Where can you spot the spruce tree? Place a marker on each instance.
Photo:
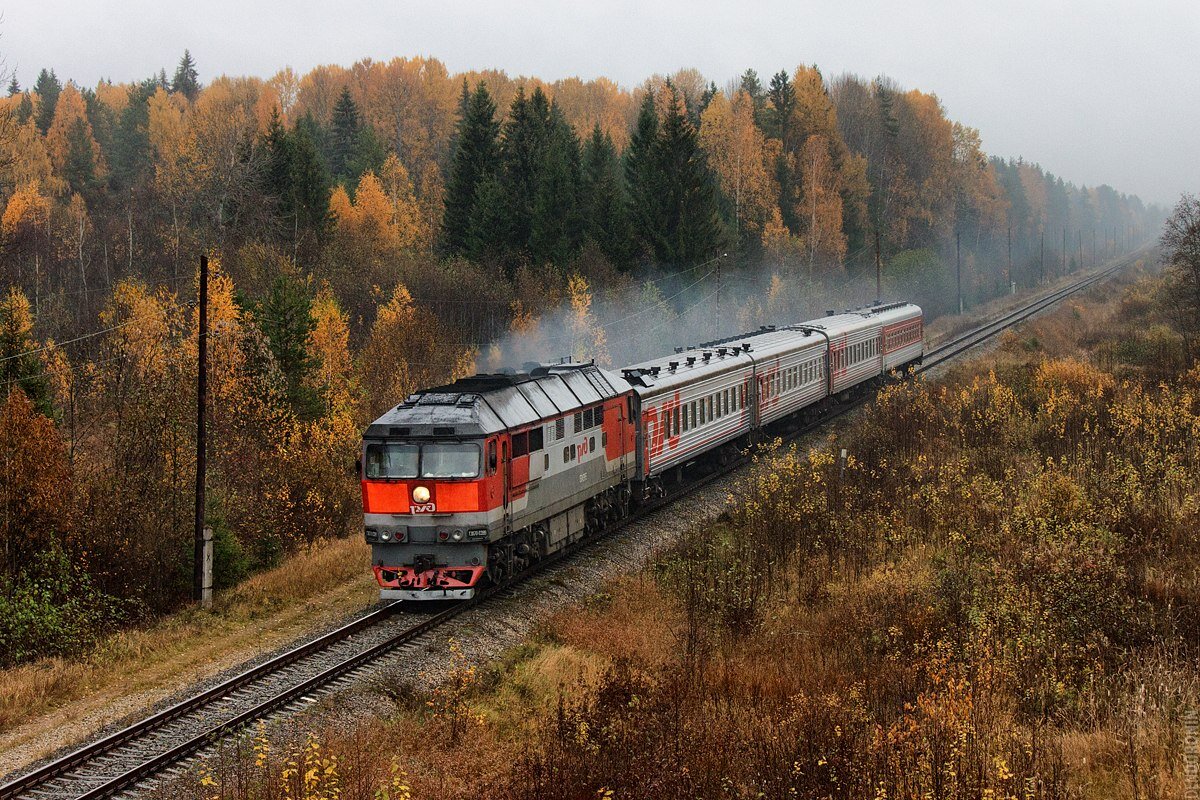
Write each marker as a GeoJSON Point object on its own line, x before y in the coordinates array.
{"type": "Point", "coordinates": [782, 98]}
{"type": "Point", "coordinates": [277, 171]}
{"type": "Point", "coordinates": [487, 227]}
{"type": "Point", "coordinates": [475, 158]}
{"type": "Point", "coordinates": [310, 179]}
{"type": "Point", "coordinates": [14, 88]}
{"type": "Point", "coordinates": [24, 109]}
{"type": "Point", "coordinates": [642, 178]}
{"type": "Point", "coordinates": [129, 158]}
{"type": "Point", "coordinates": [80, 167]}
{"type": "Point", "coordinates": [343, 137]}
{"type": "Point", "coordinates": [285, 317]}
{"type": "Point", "coordinates": [186, 78]}
{"type": "Point", "coordinates": [47, 89]}
{"type": "Point", "coordinates": [692, 231]}
{"type": "Point", "coordinates": [602, 198]}
{"type": "Point", "coordinates": [524, 139]}
{"type": "Point", "coordinates": [557, 226]}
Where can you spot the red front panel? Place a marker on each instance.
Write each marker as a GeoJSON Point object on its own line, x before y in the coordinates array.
{"type": "Point", "coordinates": [445, 497]}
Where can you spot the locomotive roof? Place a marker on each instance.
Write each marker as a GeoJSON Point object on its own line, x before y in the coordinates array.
{"type": "Point", "coordinates": [488, 403]}
{"type": "Point", "coordinates": [709, 359]}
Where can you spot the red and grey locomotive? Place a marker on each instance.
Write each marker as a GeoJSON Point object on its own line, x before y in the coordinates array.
{"type": "Point", "coordinates": [476, 480]}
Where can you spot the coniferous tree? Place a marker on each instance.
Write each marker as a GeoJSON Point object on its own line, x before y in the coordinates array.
{"type": "Point", "coordinates": [14, 88]}
{"type": "Point", "coordinates": [475, 158]}
{"type": "Point", "coordinates": [130, 154]}
{"type": "Point", "coordinates": [48, 88]}
{"type": "Point", "coordinates": [781, 97]}
{"type": "Point", "coordinates": [353, 147]}
{"type": "Point", "coordinates": [524, 139]}
{"type": "Point", "coordinates": [490, 215]}
{"type": "Point", "coordinates": [691, 230]}
{"type": "Point", "coordinates": [80, 167]}
{"type": "Point", "coordinates": [186, 80]}
{"type": "Point", "coordinates": [641, 177]}
{"type": "Point", "coordinates": [310, 179]}
{"type": "Point", "coordinates": [556, 230]}
{"type": "Point", "coordinates": [602, 198]}
{"type": "Point", "coordinates": [24, 109]}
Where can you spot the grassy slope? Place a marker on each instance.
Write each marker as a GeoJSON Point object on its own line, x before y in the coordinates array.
{"type": "Point", "coordinates": [55, 702]}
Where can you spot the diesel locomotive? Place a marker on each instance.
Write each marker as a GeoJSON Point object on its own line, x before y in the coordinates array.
{"type": "Point", "coordinates": [472, 482]}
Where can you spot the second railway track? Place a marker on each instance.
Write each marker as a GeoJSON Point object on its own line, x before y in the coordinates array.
{"type": "Point", "coordinates": [138, 753]}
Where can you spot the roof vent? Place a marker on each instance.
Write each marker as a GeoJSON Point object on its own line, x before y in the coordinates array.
{"type": "Point", "coordinates": [678, 349]}
{"type": "Point", "coordinates": [691, 361]}
{"type": "Point", "coordinates": [672, 365]}
{"type": "Point", "coordinates": [707, 356]}
{"type": "Point", "coordinates": [746, 346]}
{"type": "Point", "coordinates": [443, 431]}
{"type": "Point", "coordinates": [398, 431]}
{"type": "Point", "coordinates": [722, 351]}
{"type": "Point", "coordinates": [829, 312]}
{"type": "Point", "coordinates": [655, 370]}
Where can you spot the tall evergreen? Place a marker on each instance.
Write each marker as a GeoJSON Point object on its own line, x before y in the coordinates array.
{"type": "Point", "coordinates": [692, 231]}
{"type": "Point", "coordinates": [343, 136]}
{"type": "Point", "coordinates": [474, 161]}
{"type": "Point", "coordinates": [14, 88]}
{"type": "Point", "coordinates": [129, 158]}
{"type": "Point", "coordinates": [782, 98]}
{"type": "Point", "coordinates": [602, 198]}
{"type": "Point", "coordinates": [186, 80]}
{"type": "Point", "coordinates": [310, 179]}
{"type": "Point", "coordinates": [80, 167]}
{"type": "Point", "coordinates": [48, 88]}
{"type": "Point", "coordinates": [557, 226]}
{"type": "Point", "coordinates": [524, 140]}
{"type": "Point", "coordinates": [752, 86]}
{"type": "Point", "coordinates": [642, 177]}
{"type": "Point", "coordinates": [24, 109]}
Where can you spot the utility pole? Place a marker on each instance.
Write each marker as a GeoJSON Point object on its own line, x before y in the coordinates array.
{"type": "Point", "coordinates": [1094, 262]}
{"type": "Point", "coordinates": [958, 261]}
{"type": "Point", "coordinates": [1012, 285]}
{"type": "Point", "coordinates": [1062, 257]}
{"type": "Point", "coordinates": [1042, 257]}
{"type": "Point", "coordinates": [878, 271]}
{"type": "Point", "coordinates": [1080, 234]}
{"type": "Point", "coordinates": [718, 320]}
{"type": "Point", "coordinates": [202, 588]}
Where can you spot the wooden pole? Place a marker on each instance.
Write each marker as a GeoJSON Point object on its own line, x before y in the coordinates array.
{"type": "Point", "coordinates": [201, 403]}
{"type": "Point", "coordinates": [958, 262]}
{"type": "Point", "coordinates": [878, 271]}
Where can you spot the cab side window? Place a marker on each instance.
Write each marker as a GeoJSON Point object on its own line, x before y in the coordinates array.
{"type": "Point", "coordinates": [491, 457]}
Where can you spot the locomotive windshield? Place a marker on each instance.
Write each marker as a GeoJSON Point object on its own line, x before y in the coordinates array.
{"type": "Point", "coordinates": [433, 460]}
{"type": "Point", "coordinates": [449, 460]}
{"type": "Point", "coordinates": [392, 460]}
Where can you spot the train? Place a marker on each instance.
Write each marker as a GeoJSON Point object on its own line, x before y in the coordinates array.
{"type": "Point", "coordinates": [470, 484]}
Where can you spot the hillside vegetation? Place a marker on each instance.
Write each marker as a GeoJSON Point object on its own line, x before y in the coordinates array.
{"type": "Point", "coordinates": [390, 225]}
{"type": "Point", "coordinates": [996, 595]}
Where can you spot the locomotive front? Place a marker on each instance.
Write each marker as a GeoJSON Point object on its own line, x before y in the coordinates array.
{"type": "Point", "coordinates": [432, 494]}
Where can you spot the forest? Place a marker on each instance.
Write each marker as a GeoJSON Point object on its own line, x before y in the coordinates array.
{"type": "Point", "coordinates": [390, 225]}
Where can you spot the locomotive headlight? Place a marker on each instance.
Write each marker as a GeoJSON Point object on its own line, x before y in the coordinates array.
{"type": "Point", "coordinates": [421, 494]}
{"type": "Point", "coordinates": [457, 535]}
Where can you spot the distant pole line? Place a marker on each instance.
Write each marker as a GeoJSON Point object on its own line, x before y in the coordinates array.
{"type": "Point", "coordinates": [201, 403]}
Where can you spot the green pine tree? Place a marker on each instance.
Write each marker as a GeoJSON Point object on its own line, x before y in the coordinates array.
{"type": "Point", "coordinates": [186, 80]}
{"type": "Point", "coordinates": [343, 138]}
{"type": "Point", "coordinates": [557, 227]}
{"type": "Point", "coordinates": [80, 167]}
{"type": "Point", "coordinates": [692, 231]}
{"type": "Point", "coordinates": [24, 109]}
{"type": "Point", "coordinates": [642, 178]}
{"type": "Point", "coordinates": [603, 198]}
{"type": "Point", "coordinates": [487, 228]}
{"type": "Point", "coordinates": [47, 88]}
{"type": "Point", "coordinates": [14, 88]}
{"type": "Point", "coordinates": [285, 317]}
{"type": "Point", "coordinates": [524, 139]}
{"type": "Point", "coordinates": [782, 98]}
{"type": "Point", "coordinates": [129, 158]}
{"type": "Point", "coordinates": [310, 180]}
{"type": "Point", "coordinates": [475, 159]}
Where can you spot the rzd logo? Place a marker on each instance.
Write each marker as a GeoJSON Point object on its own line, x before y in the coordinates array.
{"type": "Point", "coordinates": [423, 508]}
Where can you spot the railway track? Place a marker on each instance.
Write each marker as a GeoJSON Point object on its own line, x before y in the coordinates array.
{"type": "Point", "coordinates": [138, 753]}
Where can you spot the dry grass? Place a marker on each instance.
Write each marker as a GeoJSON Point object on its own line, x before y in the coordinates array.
{"type": "Point", "coordinates": [135, 667]}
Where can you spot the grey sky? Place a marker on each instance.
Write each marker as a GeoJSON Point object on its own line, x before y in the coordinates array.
{"type": "Point", "coordinates": [1096, 92]}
